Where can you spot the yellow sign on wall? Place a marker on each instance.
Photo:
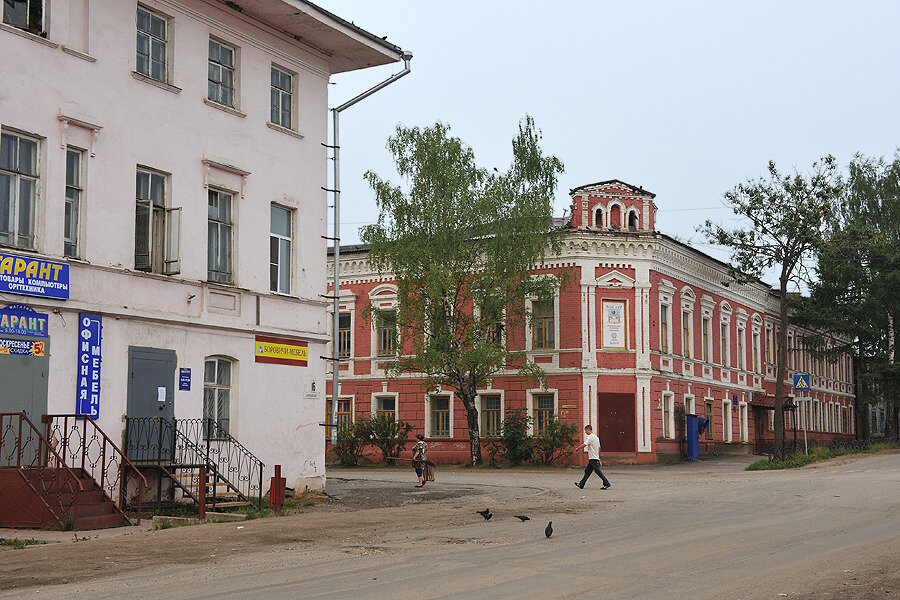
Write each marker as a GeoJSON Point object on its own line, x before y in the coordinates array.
{"type": "Point", "coordinates": [281, 351]}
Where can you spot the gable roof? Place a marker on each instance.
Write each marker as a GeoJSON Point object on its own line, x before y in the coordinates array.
{"type": "Point", "coordinates": [614, 183]}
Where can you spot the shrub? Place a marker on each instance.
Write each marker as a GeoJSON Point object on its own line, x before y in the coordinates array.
{"type": "Point", "coordinates": [351, 441]}
{"type": "Point", "coordinates": [514, 445]}
{"type": "Point", "coordinates": [389, 435]}
{"type": "Point", "coordinates": [558, 441]}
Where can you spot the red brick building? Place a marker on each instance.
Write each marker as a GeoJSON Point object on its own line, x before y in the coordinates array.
{"type": "Point", "coordinates": [646, 327]}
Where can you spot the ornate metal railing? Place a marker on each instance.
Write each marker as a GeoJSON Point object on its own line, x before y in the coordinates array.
{"type": "Point", "coordinates": [191, 443]}
{"type": "Point", "coordinates": [231, 458]}
{"type": "Point", "coordinates": [23, 447]}
{"type": "Point", "coordinates": [83, 445]}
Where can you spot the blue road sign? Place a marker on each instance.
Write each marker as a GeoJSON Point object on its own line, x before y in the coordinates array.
{"type": "Point", "coordinates": [801, 382]}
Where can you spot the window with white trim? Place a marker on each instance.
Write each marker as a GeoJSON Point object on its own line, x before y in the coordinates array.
{"type": "Point", "coordinates": [282, 97]}
{"type": "Point", "coordinates": [689, 404]}
{"type": "Point", "coordinates": [740, 348]}
{"type": "Point", "coordinates": [386, 323]}
{"type": "Point", "coordinates": [18, 189]}
{"type": "Point", "coordinates": [25, 14]}
{"type": "Point", "coordinates": [157, 228]}
{"type": "Point", "coordinates": [219, 231]}
{"type": "Point", "coordinates": [542, 411]}
{"type": "Point", "coordinates": [74, 192]}
{"type": "Point", "coordinates": [217, 396]}
{"type": "Point", "coordinates": [491, 408]}
{"type": "Point", "coordinates": [543, 325]}
{"type": "Point", "coordinates": [726, 421]}
{"type": "Point", "coordinates": [668, 416]}
{"type": "Point", "coordinates": [386, 406]}
{"type": "Point", "coordinates": [440, 416]}
{"type": "Point", "coordinates": [344, 331]}
{"type": "Point", "coordinates": [344, 413]}
{"type": "Point", "coordinates": [704, 330]}
{"type": "Point", "coordinates": [755, 351]}
{"type": "Point", "coordinates": [723, 344]}
{"type": "Point", "coordinates": [152, 44]}
{"type": "Point", "coordinates": [280, 249]}
{"type": "Point", "coordinates": [664, 328]}
{"type": "Point", "coordinates": [686, 333]}
{"type": "Point", "coordinates": [220, 76]}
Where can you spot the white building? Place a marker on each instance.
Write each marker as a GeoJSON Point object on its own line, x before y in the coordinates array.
{"type": "Point", "coordinates": [166, 159]}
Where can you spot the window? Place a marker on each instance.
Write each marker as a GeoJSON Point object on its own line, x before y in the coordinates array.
{"type": "Point", "coordinates": [387, 333]}
{"type": "Point", "coordinates": [755, 351]}
{"type": "Point", "coordinates": [151, 44]}
{"type": "Point", "coordinates": [711, 426]}
{"type": "Point", "coordinates": [668, 418]}
{"type": "Point", "coordinates": [494, 335]}
{"type": "Point", "coordinates": [723, 344]}
{"type": "Point", "coordinates": [664, 328]}
{"type": "Point", "coordinates": [440, 416]}
{"type": "Point", "coordinates": [740, 349]}
{"type": "Point", "coordinates": [280, 250]}
{"type": "Point", "coordinates": [344, 335]}
{"type": "Point", "coordinates": [219, 237]}
{"type": "Point", "coordinates": [157, 229]}
{"type": "Point", "coordinates": [742, 421]}
{"type": "Point", "coordinates": [344, 412]}
{"type": "Point", "coordinates": [18, 188]}
{"type": "Point", "coordinates": [689, 405]}
{"type": "Point", "coordinates": [217, 397]}
{"type": "Point", "coordinates": [542, 412]}
{"type": "Point", "coordinates": [686, 334]}
{"type": "Point", "coordinates": [25, 14]}
{"type": "Point", "coordinates": [73, 200]}
{"type": "Point", "coordinates": [726, 421]}
{"type": "Point", "coordinates": [543, 326]}
{"type": "Point", "coordinates": [705, 341]}
{"type": "Point", "coordinates": [632, 220]}
{"type": "Point", "coordinates": [769, 335]}
{"type": "Point", "coordinates": [282, 97]}
{"type": "Point", "coordinates": [490, 416]}
{"type": "Point", "coordinates": [386, 406]}
{"type": "Point", "coordinates": [220, 75]}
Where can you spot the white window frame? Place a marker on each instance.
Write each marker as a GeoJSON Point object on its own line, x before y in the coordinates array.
{"type": "Point", "coordinates": [529, 404]}
{"type": "Point", "coordinates": [740, 350]}
{"type": "Point", "coordinates": [290, 251]}
{"type": "Point", "coordinates": [529, 330]}
{"type": "Point", "coordinates": [668, 401]}
{"type": "Point", "coordinates": [727, 433]}
{"type": "Point", "coordinates": [167, 44]}
{"type": "Point", "coordinates": [292, 94]}
{"type": "Point", "coordinates": [220, 225]}
{"type": "Point", "coordinates": [478, 406]}
{"type": "Point", "coordinates": [74, 197]}
{"type": "Point", "coordinates": [17, 176]}
{"type": "Point", "coordinates": [164, 232]}
{"type": "Point", "coordinates": [378, 395]}
{"type": "Point", "coordinates": [706, 339]}
{"type": "Point", "coordinates": [231, 387]}
{"type": "Point", "coordinates": [690, 404]}
{"type": "Point", "coordinates": [234, 69]}
{"type": "Point", "coordinates": [27, 25]}
{"type": "Point", "coordinates": [743, 421]}
{"type": "Point", "coordinates": [449, 394]}
{"type": "Point", "coordinates": [665, 333]}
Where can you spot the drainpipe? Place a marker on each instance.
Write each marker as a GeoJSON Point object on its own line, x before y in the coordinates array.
{"type": "Point", "coordinates": [336, 114]}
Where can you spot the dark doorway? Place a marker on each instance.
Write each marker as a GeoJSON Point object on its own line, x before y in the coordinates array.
{"type": "Point", "coordinates": [151, 399]}
{"type": "Point", "coordinates": [616, 422]}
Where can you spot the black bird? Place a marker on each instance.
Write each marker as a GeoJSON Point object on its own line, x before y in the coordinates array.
{"type": "Point", "coordinates": [549, 531]}
{"type": "Point", "coordinates": [522, 517]}
{"type": "Point", "coordinates": [486, 513]}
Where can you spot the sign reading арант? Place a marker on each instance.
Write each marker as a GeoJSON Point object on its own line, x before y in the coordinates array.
{"type": "Point", "coordinates": [281, 351]}
{"type": "Point", "coordinates": [34, 277]}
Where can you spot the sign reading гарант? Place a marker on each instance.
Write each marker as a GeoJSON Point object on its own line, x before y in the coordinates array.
{"type": "Point", "coordinates": [18, 319]}
{"type": "Point", "coordinates": [34, 277]}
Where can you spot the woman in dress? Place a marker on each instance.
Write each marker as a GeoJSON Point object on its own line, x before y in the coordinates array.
{"type": "Point", "coordinates": [419, 456]}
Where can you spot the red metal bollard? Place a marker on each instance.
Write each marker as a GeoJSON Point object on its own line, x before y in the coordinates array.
{"type": "Point", "coordinates": [201, 509]}
{"type": "Point", "coordinates": [277, 489]}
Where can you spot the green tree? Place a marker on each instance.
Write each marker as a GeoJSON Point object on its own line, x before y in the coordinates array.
{"type": "Point", "coordinates": [857, 278]}
{"type": "Point", "coordinates": [785, 217]}
{"type": "Point", "coordinates": [461, 242]}
{"type": "Point", "coordinates": [389, 435]}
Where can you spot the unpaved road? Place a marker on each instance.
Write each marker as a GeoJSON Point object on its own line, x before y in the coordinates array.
{"type": "Point", "coordinates": [705, 530]}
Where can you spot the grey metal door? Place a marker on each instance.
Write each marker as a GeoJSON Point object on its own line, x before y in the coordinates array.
{"type": "Point", "coordinates": [151, 399]}
{"type": "Point", "coordinates": [23, 388]}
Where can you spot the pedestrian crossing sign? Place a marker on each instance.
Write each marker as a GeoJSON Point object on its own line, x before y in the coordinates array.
{"type": "Point", "coordinates": [801, 382]}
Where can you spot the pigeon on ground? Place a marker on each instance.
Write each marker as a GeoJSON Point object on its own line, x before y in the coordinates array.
{"type": "Point", "coordinates": [522, 517]}
{"type": "Point", "coordinates": [486, 513]}
{"type": "Point", "coordinates": [549, 531]}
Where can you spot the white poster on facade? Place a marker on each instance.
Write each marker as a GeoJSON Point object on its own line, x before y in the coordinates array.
{"type": "Point", "coordinates": [613, 324]}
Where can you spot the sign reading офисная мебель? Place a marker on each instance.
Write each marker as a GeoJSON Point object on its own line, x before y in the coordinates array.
{"type": "Point", "coordinates": [34, 277]}
{"type": "Point", "coordinates": [90, 334]}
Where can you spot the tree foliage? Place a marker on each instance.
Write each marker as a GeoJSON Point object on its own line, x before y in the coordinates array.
{"type": "Point", "coordinates": [389, 435]}
{"type": "Point", "coordinates": [855, 295]}
{"type": "Point", "coordinates": [460, 242]}
{"type": "Point", "coordinates": [785, 217]}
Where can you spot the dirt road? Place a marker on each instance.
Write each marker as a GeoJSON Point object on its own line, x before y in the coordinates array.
{"type": "Point", "coordinates": [705, 530]}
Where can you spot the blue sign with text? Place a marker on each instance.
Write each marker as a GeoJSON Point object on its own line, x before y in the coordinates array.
{"type": "Point", "coordinates": [801, 382]}
{"type": "Point", "coordinates": [184, 380]}
{"type": "Point", "coordinates": [90, 330]}
{"type": "Point", "coordinates": [34, 277]}
{"type": "Point", "coordinates": [18, 319]}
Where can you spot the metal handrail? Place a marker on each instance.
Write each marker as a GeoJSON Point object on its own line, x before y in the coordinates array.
{"type": "Point", "coordinates": [44, 451]}
{"type": "Point", "coordinates": [117, 452]}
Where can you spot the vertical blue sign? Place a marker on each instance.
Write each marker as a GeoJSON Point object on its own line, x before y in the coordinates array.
{"type": "Point", "coordinates": [184, 380]}
{"type": "Point", "coordinates": [89, 334]}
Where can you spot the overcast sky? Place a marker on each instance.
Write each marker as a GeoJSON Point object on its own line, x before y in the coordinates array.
{"type": "Point", "coordinates": [686, 99]}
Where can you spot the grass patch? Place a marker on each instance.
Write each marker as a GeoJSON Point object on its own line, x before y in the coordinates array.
{"type": "Point", "coordinates": [816, 453]}
{"type": "Point", "coordinates": [19, 544]}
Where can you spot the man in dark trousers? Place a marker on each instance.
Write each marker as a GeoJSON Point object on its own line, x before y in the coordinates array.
{"type": "Point", "coordinates": [591, 445]}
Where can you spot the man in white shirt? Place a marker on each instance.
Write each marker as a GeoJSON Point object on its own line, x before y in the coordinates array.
{"type": "Point", "coordinates": [591, 445]}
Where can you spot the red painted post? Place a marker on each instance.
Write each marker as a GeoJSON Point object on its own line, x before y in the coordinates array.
{"type": "Point", "coordinates": [277, 490]}
{"type": "Point", "coordinates": [202, 488]}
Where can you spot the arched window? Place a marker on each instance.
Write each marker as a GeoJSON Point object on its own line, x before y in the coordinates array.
{"type": "Point", "coordinates": [615, 217]}
{"type": "Point", "coordinates": [217, 377]}
{"type": "Point", "coordinates": [598, 217]}
{"type": "Point", "coordinates": [632, 220]}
